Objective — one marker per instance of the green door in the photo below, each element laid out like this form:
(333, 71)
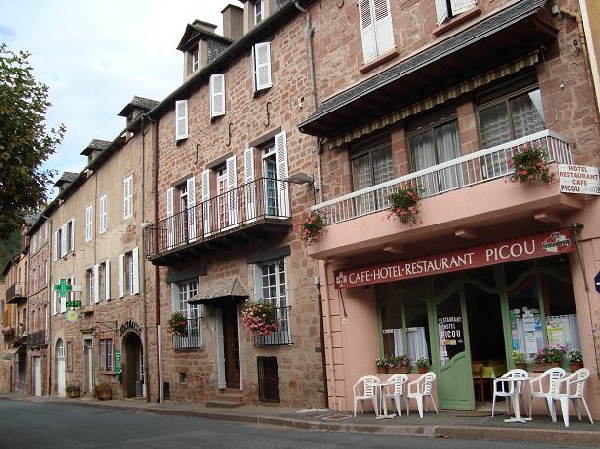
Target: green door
(451, 351)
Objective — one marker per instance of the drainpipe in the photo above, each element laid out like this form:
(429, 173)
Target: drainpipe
(49, 350)
(324, 288)
(310, 32)
(143, 277)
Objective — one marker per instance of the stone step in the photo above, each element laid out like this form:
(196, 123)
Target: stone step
(229, 398)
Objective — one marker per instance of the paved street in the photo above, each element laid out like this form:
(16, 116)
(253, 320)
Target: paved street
(49, 425)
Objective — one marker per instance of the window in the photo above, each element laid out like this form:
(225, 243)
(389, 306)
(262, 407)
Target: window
(128, 273)
(225, 201)
(261, 66)
(371, 164)
(70, 239)
(69, 356)
(376, 29)
(217, 95)
(89, 285)
(258, 11)
(103, 225)
(181, 226)
(106, 354)
(64, 240)
(195, 60)
(183, 292)
(128, 197)
(181, 120)
(431, 145)
(447, 9)
(271, 287)
(89, 220)
(103, 282)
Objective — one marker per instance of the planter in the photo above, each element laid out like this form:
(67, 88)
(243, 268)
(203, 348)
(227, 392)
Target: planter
(575, 366)
(74, 393)
(104, 395)
(541, 367)
(522, 366)
(422, 369)
(399, 370)
(382, 370)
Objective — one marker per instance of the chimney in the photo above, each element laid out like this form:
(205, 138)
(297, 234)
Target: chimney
(233, 22)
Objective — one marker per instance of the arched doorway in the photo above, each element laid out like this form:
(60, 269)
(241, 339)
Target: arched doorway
(132, 365)
(60, 368)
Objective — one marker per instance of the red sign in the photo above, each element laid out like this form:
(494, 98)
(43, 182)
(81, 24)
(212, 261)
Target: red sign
(532, 247)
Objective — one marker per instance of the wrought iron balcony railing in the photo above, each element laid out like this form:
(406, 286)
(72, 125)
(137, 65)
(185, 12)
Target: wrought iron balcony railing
(16, 291)
(194, 335)
(250, 203)
(283, 335)
(37, 339)
(465, 171)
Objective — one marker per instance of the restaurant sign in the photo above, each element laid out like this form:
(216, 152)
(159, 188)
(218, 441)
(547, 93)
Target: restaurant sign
(579, 179)
(532, 247)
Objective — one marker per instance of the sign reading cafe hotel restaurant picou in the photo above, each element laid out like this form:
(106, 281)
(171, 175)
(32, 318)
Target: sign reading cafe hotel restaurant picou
(531, 247)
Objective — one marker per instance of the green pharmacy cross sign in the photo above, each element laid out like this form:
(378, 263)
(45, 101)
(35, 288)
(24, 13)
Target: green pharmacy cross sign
(63, 288)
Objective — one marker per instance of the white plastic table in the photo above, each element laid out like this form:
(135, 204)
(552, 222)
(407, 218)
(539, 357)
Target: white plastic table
(516, 402)
(380, 386)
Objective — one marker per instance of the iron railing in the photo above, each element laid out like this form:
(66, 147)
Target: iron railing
(252, 202)
(465, 171)
(37, 339)
(282, 336)
(194, 335)
(16, 291)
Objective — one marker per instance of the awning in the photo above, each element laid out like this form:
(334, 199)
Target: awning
(218, 291)
(10, 353)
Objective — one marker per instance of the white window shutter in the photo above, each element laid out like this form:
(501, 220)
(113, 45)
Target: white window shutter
(72, 236)
(191, 212)
(249, 187)
(55, 248)
(282, 173)
(96, 285)
(367, 30)
(54, 301)
(63, 240)
(442, 10)
(459, 6)
(262, 65)
(217, 94)
(181, 119)
(232, 189)
(103, 214)
(170, 224)
(107, 280)
(384, 30)
(88, 223)
(205, 202)
(121, 275)
(135, 275)
(128, 197)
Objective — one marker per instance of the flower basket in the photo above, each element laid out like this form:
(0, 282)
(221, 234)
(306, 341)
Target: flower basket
(103, 391)
(530, 164)
(382, 365)
(422, 365)
(548, 357)
(398, 364)
(178, 324)
(73, 390)
(260, 318)
(312, 227)
(541, 367)
(404, 204)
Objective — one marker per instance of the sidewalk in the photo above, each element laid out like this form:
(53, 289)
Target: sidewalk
(477, 425)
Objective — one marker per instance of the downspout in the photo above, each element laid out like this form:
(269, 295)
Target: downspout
(310, 32)
(49, 350)
(326, 318)
(143, 239)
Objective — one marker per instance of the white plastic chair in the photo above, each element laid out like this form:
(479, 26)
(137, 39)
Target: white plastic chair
(504, 387)
(571, 388)
(365, 390)
(420, 389)
(538, 389)
(397, 390)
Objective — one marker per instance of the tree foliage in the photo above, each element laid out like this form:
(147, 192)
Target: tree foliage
(9, 248)
(24, 142)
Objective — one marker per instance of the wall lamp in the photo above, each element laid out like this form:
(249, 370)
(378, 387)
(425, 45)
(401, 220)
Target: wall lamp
(300, 178)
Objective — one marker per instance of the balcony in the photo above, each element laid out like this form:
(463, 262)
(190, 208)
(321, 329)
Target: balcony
(194, 336)
(254, 210)
(459, 195)
(282, 336)
(37, 339)
(16, 293)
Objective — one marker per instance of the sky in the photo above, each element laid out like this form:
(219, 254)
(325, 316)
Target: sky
(95, 55)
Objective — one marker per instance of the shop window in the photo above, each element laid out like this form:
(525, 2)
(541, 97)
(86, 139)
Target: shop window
(434, 144)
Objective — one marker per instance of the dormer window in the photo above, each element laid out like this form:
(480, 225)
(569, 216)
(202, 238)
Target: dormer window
(258, 11)
(195, 60)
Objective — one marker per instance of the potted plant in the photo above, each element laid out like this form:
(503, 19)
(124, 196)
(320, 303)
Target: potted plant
(404, 204)
(548, 357)
(575, 359)
(519, 359)
(178, 324)
(399, 364)
(73, 389)
(382, 365)
(422, 365)
(103, 391)
(312, 227)
(260, 318)
(531, 165)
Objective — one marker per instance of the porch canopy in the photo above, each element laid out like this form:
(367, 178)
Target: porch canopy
(10, 353)
(496, 46)
(218, 291)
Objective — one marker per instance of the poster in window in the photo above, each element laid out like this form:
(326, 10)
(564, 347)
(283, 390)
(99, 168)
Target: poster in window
(451, 337)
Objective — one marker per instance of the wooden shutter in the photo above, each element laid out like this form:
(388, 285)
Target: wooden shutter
(232, 190)
(107, 280)
(55, 244)
(205, 177)
(384, 30)
(96, 298)
(103, 214)
(249, 184)
(459, 6)
(442, 10)
(181, 119)
(135, 275)
(217, 95)
(170, 230)
(121, 277)
(262, 65)
(282, 174)
(63, 240)
(72, 235)
(367, 30)
(191, 212)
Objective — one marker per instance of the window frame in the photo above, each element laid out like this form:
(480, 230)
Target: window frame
(129, 273)
(128, 197)
(89, 222)
(103, 214)
(181, 120)
(106, 356)
(261, 60)
(217, 97)
(448, 9)
(376, 29)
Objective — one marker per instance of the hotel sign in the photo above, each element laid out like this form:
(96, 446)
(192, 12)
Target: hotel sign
(579, 179)
(532, 247)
